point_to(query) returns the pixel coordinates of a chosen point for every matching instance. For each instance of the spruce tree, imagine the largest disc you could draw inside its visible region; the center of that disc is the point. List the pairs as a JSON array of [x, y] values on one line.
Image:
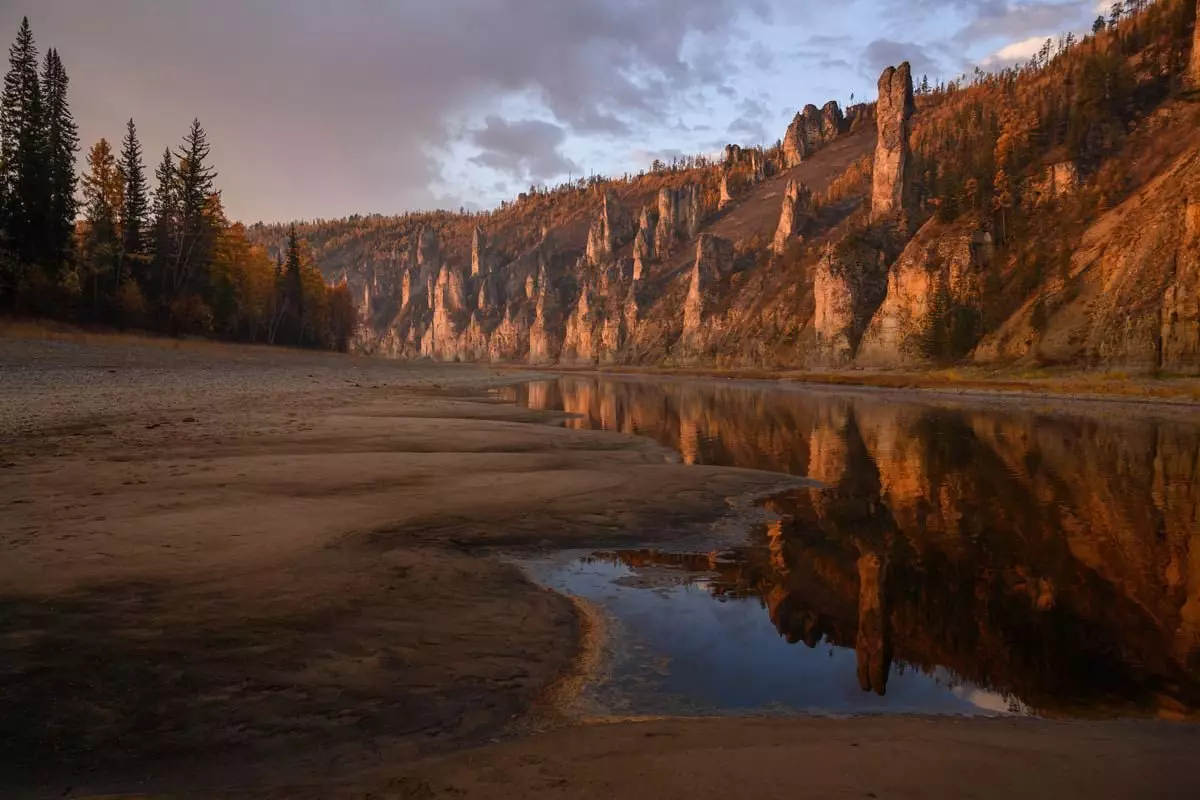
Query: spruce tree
[[62, 143], [24, 152], [102, 194], [294, 285], [166, 227], [195, 185], [136, 210]]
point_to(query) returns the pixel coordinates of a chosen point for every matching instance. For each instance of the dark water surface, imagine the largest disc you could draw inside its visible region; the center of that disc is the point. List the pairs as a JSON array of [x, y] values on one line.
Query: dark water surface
[[963, 558]]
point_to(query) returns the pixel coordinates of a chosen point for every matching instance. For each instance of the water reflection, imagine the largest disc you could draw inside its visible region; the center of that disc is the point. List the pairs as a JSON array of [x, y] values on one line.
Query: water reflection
[[1046, 557]]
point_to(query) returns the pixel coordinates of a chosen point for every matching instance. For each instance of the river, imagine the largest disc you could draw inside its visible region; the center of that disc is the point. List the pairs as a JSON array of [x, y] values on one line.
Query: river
[[955, 556]]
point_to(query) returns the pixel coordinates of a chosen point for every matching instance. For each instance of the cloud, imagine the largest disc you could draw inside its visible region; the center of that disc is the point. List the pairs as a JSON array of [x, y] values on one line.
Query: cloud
[[527, 150], [322, 108], [924, 59]]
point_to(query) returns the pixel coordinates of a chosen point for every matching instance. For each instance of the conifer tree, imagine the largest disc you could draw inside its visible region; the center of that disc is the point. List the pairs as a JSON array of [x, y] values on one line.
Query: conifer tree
[[23, 157], [294, 284], [196, 235], [135, 212], [166, 225], [62, 143], [103, 188]]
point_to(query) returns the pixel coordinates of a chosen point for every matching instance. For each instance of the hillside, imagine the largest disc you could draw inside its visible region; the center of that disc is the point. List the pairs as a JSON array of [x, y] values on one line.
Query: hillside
[[1048, 214]]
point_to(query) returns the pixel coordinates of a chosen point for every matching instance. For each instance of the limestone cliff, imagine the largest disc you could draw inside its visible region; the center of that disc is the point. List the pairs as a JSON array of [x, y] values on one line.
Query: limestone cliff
[[611, 229], [934, 296], [678, 218], [890, 194], [1131, 294], [714, 261], [810, 131], [850, 283], [1080, 251], [797, 202]]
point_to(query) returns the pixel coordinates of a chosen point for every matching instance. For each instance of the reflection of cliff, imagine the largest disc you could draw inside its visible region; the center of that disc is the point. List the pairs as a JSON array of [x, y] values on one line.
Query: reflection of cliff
[[1052, 558]]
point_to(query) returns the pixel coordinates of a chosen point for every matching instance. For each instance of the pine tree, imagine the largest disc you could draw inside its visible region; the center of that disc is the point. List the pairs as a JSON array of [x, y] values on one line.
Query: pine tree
[[194, 183], [62, 143], [166, 226], [23, 157], [294, 285], [136, 209], [103, 188]]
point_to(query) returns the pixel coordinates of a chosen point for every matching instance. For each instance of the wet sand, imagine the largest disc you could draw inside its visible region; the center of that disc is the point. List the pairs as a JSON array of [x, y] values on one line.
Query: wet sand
[[281, 573]]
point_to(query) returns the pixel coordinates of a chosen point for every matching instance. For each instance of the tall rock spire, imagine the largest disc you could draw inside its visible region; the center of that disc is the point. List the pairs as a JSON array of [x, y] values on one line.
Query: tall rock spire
[[1194, 67], [889, 195]]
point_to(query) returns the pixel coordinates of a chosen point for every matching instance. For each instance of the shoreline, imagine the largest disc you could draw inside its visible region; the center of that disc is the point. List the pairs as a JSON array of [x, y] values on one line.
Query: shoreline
[[1066, 388]]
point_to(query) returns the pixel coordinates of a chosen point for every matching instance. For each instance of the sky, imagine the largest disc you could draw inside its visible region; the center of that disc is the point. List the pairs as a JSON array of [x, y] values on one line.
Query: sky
[[326, 108]]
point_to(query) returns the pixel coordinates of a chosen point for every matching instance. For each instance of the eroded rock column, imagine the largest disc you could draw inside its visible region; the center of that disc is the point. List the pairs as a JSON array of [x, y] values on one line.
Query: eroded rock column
[[889, 194]]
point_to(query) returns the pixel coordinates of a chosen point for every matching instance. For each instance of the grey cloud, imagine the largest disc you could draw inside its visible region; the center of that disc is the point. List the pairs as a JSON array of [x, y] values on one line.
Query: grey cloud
[[930, 60], [528, 149], [317, 107]]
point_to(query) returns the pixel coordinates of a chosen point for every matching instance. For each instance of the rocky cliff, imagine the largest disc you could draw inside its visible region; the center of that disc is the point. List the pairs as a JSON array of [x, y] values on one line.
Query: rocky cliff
[[926, 228], [890, 193]]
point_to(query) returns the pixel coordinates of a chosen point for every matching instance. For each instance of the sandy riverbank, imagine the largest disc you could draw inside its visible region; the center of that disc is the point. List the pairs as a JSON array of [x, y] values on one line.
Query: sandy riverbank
[[239, 568]]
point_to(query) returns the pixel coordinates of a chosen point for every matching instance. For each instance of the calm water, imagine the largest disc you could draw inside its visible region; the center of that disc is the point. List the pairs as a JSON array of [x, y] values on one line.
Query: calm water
[[955, 559]]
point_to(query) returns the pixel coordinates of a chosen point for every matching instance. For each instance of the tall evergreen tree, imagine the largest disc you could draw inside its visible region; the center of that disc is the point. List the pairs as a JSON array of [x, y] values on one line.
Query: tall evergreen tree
[[102, 193], [194, 184], [24, 151], [62, 143], [135, 212], [294, 285], [166, 226]]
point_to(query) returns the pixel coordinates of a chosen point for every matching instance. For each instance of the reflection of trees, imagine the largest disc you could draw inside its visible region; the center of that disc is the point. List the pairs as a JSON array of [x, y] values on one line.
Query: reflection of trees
[[1056, 559]]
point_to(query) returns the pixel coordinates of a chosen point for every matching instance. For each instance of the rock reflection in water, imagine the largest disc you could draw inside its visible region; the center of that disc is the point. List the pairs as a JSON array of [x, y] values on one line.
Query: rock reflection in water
[[1046, 556]]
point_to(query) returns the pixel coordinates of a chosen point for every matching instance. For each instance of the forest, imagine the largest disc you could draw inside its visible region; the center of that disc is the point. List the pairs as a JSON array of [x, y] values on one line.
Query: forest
[[111, 247]]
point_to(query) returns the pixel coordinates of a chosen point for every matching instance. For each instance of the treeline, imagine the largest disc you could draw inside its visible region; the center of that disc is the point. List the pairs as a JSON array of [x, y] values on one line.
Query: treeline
[[108, 247]]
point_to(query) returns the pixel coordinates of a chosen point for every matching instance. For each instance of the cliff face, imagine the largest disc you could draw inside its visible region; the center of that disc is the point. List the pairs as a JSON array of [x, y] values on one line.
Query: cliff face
[[934, 298], [1131, 293], [858, 242]]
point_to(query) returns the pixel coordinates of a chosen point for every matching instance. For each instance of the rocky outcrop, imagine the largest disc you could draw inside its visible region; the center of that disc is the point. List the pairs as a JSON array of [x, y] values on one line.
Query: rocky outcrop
[[726, 198], [611, 229], [892, 181], [811, 130], [643, 244], [1130, 296], [1056, 182], [479, 255], [543, 341], [1194, 65], [932, 310], [428, 253], [797, 204], [678, 218], [714, 261], [849, 284], [405, 289]]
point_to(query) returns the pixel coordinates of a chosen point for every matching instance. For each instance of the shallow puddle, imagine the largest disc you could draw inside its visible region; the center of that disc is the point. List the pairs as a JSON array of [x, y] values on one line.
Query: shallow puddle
[[678, 644], [961, 558]]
